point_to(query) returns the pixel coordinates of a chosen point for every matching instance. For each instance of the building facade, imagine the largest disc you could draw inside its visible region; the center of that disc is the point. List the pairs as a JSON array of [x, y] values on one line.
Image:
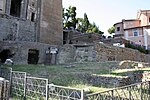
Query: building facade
[[32, 22], [136, 30]]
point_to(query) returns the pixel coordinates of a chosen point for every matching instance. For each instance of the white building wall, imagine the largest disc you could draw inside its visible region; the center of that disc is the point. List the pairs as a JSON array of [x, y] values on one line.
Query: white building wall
[[126, 35]]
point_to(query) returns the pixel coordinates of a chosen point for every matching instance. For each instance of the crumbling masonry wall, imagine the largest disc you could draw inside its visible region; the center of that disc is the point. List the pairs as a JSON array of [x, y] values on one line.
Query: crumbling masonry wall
[[32, 20], [99, 52], [110, 53], [13, 29], [20, 50]]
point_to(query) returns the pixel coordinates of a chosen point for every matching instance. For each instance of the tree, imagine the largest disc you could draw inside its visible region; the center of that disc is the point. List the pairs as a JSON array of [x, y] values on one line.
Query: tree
[[86, 22], [111, 30], [81, 24], [69, 18], [94, 28]]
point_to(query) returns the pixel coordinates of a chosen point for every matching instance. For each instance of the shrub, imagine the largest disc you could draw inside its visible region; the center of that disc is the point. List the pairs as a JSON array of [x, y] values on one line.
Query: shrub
[[137, 47]]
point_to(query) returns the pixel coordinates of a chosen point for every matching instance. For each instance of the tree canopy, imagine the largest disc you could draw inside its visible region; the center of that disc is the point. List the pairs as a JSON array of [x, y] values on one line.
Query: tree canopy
[[111, 30], [81, 24], [69, 17]]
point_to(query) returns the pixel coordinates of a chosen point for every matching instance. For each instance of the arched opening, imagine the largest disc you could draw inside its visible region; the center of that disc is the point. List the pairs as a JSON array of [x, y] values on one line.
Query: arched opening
[[5, 54], [33, 56]]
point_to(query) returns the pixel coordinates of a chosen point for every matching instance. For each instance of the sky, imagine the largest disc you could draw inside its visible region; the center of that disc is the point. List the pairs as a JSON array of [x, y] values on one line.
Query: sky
[[105, 13]]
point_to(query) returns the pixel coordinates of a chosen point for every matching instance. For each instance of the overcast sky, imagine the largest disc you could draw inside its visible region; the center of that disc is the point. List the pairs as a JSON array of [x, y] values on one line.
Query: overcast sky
[[105, 13]]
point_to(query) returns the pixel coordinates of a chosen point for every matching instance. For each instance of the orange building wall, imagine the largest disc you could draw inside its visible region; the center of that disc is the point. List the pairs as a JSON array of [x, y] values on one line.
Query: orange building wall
[[121, 28], [137, 39], [131, 24], [144, 17], [141, 23], [130, 31]]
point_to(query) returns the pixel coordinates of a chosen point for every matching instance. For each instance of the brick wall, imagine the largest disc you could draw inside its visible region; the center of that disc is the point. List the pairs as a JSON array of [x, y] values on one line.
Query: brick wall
[[16, 29], [110, 53], [20, 50], [99, 52], [51, 28]]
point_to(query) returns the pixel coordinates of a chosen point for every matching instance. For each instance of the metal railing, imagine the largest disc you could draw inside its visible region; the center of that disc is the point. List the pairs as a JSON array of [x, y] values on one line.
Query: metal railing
[[24, 87], [64, 93], [138, 91], [4, 90], [18, 84], [36, 88]]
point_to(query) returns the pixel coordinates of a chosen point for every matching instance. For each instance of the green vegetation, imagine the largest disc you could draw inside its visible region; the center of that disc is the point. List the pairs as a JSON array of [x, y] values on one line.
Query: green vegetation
[[81, 24], [111, 30], [74, 75], [137, 47]]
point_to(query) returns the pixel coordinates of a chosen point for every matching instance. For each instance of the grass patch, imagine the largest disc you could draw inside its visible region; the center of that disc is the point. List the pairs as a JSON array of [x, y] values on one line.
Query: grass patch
[[74, 76], [92, 89]]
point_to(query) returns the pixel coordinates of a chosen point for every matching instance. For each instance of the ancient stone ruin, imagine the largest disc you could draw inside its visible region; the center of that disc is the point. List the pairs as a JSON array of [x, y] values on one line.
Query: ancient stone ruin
[[30, 30]]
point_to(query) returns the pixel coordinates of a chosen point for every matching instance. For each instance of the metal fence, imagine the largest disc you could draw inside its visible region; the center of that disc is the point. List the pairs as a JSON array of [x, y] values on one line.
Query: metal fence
[[139, 91], [18, 85], [64, 93], [4, 90], [36, 88], [24, 87]]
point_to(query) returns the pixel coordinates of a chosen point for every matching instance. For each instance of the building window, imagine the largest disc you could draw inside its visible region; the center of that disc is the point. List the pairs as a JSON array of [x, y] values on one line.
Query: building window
[[118, 28], [32, 17], [135, 32], [15, 8]]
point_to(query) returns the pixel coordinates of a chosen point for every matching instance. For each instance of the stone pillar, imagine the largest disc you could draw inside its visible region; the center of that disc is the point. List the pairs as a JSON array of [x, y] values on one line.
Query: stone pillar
[[24, 6], [8, 6], [38, 17], [53, 52], [2, 6], [53, 60]]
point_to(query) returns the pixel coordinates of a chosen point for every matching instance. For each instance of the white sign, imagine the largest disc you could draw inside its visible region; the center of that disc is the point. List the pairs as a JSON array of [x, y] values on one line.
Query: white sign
[[53, 52]]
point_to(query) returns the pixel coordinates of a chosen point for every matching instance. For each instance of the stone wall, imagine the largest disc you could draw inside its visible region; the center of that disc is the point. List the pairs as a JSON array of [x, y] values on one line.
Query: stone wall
[[35, 20], [16, 29], [20, 50], [110, 53], [108, 81], [76, 53], [31, 24], [84, 53], [66, 54], [51, 27], [99, 52]]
